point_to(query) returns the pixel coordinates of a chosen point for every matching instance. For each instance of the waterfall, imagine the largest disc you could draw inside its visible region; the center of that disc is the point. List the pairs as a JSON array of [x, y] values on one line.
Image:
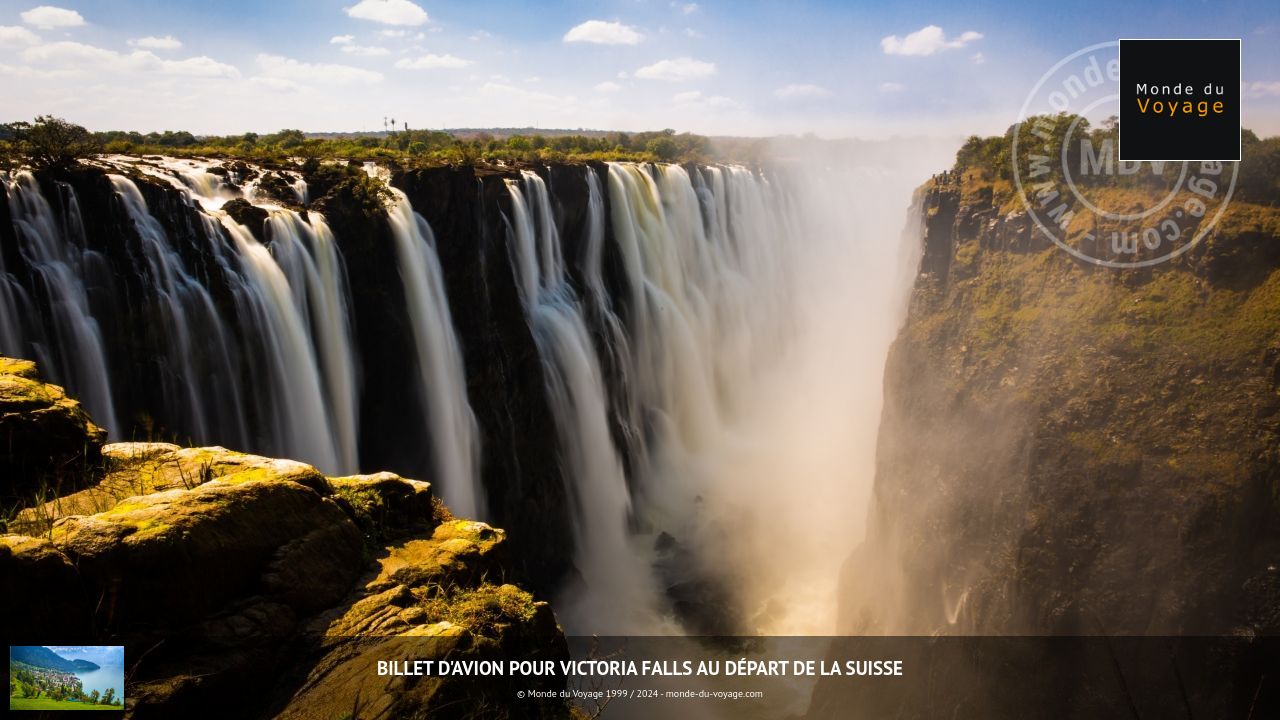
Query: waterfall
[[712, 347], [309, 258], [297, 405], [56, 253], [617, 593], [296, 297], [198, 375], [441, 381], [760, 306]]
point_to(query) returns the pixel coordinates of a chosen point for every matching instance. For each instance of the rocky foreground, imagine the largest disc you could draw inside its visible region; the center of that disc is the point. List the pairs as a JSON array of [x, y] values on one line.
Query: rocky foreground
[[251, 587]]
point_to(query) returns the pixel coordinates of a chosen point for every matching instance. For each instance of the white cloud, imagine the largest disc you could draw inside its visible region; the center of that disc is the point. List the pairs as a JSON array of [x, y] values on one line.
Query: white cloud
[[47, 17], [64, 54], [690, 32], [715, 102], [926, 41], [341, 39], [78, 56], [199, 66], [800, 91], [365, 50], [278, 66], [393, 33], [520, 96], [890, 88], [979, 58], [168, 42], [1259, 89], [389, 12], [608, 86], [689, 8], [603, 32], [677, 70], [431, 61], [14, 35], [479, 35]]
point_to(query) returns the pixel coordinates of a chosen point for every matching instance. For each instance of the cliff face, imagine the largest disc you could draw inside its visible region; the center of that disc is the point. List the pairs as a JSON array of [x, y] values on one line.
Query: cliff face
[[248, 586], [1067, 449], [506, 386]]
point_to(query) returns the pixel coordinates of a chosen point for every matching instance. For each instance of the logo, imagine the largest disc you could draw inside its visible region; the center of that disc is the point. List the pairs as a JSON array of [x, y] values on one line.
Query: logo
[[1098, 208]]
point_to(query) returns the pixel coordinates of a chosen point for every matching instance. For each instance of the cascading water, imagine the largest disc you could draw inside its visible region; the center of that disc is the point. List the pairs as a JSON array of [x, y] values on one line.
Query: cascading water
[[441, 380], [617, 592], [309, 258], [193, 379], [300, 421], [273, 371], [55, 251], [297, 297]]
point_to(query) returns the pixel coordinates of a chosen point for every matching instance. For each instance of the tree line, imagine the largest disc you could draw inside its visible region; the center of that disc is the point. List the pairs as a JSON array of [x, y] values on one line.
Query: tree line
[[1257, 181], [53, 142]]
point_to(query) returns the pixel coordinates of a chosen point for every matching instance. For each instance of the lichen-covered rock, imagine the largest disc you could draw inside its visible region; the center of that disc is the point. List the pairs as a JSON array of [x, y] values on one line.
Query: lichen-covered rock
[[430, 599], [138, 468], [174, 557], [385, 504], [255, 587], [47, 441], [461, 551]]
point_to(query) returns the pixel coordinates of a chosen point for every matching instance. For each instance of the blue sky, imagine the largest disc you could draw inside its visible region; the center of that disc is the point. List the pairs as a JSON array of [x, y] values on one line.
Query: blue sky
[[860, 69]]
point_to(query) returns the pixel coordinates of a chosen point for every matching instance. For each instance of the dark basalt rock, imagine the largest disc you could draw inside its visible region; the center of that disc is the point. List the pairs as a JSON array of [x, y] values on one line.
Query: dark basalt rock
[[252, 217]]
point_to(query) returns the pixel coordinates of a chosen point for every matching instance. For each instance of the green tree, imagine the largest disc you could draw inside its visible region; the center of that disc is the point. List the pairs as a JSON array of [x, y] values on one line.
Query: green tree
[[52, 142], [664, 148], [108, 696]]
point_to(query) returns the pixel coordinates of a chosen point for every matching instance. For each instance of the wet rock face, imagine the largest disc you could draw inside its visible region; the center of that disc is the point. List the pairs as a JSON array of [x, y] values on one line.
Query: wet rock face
[[47, 441], [252, 217]]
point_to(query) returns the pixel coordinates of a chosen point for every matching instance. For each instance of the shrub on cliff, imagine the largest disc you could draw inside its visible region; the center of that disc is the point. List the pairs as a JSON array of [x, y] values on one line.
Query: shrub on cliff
[[53, 143], [349, 183]]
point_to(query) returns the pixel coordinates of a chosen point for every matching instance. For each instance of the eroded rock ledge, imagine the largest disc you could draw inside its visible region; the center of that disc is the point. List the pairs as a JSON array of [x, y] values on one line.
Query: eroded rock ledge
[[245, 586]]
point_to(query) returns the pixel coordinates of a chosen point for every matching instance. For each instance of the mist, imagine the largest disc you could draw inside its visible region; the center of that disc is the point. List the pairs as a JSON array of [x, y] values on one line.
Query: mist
[[762, 397]]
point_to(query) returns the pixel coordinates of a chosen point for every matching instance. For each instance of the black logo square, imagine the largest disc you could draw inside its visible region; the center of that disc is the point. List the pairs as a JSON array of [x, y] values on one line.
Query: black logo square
[[1179, 100]]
